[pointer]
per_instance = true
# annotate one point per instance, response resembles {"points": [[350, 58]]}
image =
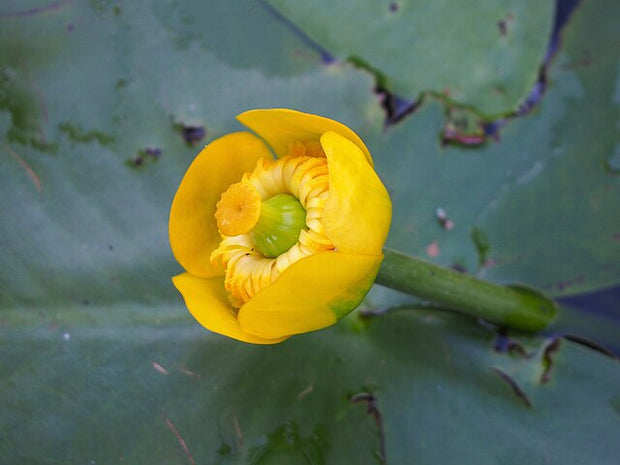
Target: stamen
{"points": [[249, 267]]}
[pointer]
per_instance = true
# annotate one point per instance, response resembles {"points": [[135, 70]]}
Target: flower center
{"points": [[270, 220], [281, 220]]}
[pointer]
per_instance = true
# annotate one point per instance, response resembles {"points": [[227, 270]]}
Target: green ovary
{"points": [[282, 218]]}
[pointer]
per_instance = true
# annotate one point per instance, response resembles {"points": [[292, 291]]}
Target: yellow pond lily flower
{"points": [[278, 246]]}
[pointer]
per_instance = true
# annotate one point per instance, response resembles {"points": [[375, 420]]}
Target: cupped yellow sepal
{"points": [[193, 230], [358, 212], [283, 128], [279, 247], [207, 301], [309, 295]]}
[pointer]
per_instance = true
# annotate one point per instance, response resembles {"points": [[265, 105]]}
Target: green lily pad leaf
{"points": [[82, 220], [540, 200], [103, 105], [164, 391], [568, 192], [486, 56]]}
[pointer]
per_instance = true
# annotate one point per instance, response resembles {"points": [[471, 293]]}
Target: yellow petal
{"points": [[311, 294], [358, 211], [192, 228], [207, 301], [282, 127]]}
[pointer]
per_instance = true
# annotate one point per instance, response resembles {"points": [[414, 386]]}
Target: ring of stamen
{"points": [[247, 271]]}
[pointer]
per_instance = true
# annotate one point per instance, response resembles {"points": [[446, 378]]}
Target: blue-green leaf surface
{"points": [[485, 54], [104, 104]]}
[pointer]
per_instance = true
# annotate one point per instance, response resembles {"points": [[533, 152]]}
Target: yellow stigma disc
{"points": [[238, 209]]}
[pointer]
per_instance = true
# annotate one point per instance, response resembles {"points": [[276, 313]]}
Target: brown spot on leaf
{"points": [[148, 154], [463, 127], [29, 171], [305, 392], [590, 344], [452, 136], [514, 385], [158, 368], [442, 218], [238, 432], [504, 24], [182, 442], [547, 360], [33, 11], [562, 285], [458, 267], [136, 161], [189, 373], [505, 345], [373, 410], [193, 134], [433, 249], [503, 28]]}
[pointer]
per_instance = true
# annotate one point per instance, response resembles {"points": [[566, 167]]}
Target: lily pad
{"points": [[81, 220], [161, 390], [103, 106], [541, 196], [485, 55]]}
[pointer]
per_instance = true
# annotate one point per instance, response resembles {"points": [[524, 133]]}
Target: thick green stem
{"points": [[507, 306]]}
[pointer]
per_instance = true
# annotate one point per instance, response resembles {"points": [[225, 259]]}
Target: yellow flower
{"points": [[278, 246]]}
